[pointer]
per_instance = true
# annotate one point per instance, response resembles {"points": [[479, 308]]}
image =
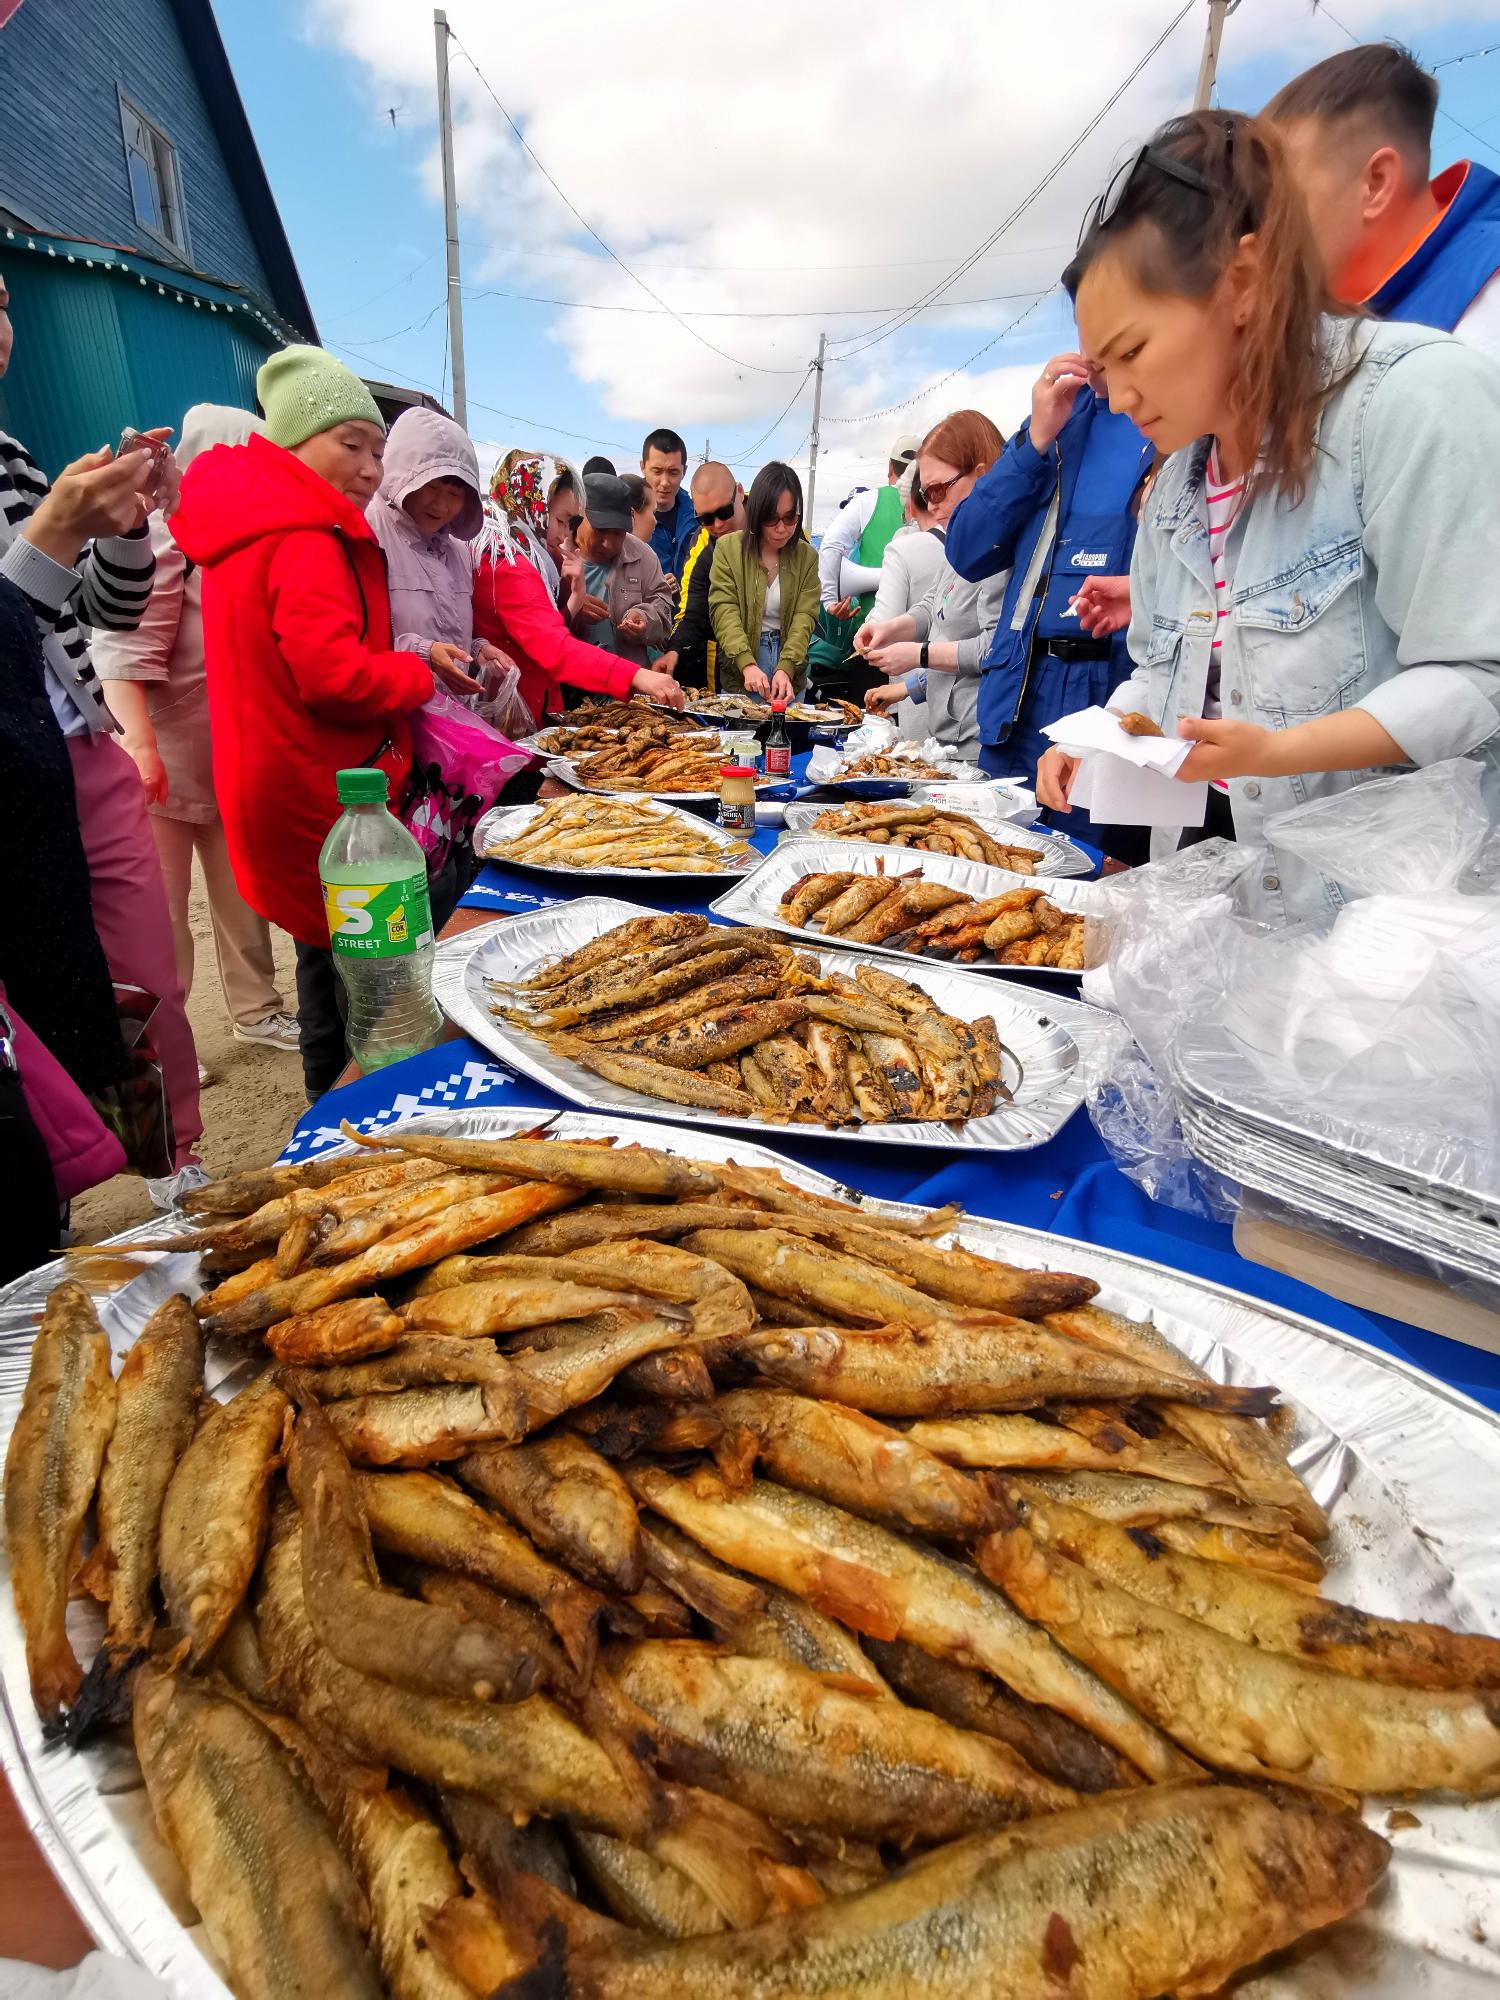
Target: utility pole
{"points": [[1218, 12], [450, 220], [812, 456]]}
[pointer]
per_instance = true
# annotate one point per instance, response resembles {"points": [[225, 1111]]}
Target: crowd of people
{"points": [[1249, 504]]}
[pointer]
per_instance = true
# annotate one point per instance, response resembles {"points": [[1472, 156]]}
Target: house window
{"points": [[155, 188]]}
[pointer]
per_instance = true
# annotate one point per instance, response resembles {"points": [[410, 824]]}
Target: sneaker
{"points": [[276, 1031], [168, 1192], [205, 1076]]}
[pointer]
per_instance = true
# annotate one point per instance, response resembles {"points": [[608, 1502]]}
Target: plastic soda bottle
{"points": [[374, 879]]}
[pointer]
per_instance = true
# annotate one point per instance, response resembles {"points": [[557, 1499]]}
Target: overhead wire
{"points": [[735, 360], [510, 416], [747, 456], [929, 389], [872, 336]]}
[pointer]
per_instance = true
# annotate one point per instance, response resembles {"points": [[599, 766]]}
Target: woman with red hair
{"points": [[932, 653]]}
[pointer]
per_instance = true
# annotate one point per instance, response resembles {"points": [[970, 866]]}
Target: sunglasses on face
{"points": [[936, 491], [1124, 178], [575, 522], [724, 513], [785, 520]]}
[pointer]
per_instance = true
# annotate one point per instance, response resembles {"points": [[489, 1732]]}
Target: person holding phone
{"points": [[79, 552], [763, 592], [1315, 598]]}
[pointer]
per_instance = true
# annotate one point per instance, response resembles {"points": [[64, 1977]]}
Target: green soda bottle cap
{"points": [[361, 787]]}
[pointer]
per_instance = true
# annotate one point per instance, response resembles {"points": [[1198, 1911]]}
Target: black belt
{"points": [[1071, 649]]}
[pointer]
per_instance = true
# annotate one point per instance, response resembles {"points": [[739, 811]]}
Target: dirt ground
{"points": [[249, 1107]]}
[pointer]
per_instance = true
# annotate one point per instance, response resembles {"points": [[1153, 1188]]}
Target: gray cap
{"points": [[606, 502]]}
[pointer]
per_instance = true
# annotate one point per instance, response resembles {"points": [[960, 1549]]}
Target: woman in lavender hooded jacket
{"points": [[425, 517]]}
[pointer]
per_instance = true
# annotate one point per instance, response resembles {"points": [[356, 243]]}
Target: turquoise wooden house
{"points": [[146, 263]]}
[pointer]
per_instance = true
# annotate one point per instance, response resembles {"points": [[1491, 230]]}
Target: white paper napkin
{"points": [[1126, 780]]}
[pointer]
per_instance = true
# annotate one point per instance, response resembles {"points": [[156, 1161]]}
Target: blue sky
{"points": [[737, 187]]}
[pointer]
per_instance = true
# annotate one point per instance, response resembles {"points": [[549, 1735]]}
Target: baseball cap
{"points": [[606, 502], [905, 449]]}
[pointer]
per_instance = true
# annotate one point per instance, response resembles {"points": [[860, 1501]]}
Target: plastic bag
{"points": [[501, 705], [1160, 942], [1376, 1034], [458, 766]]}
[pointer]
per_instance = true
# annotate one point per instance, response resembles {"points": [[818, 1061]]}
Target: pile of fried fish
{"points": [[931, 829], [738, 1021], [626, 1576], [599, 834], [934, 920]]}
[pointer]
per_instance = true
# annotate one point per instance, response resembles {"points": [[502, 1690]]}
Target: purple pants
{"points": [[131, 915]]}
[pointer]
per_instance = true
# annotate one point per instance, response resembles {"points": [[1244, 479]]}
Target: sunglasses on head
{"points": [[1105, 209], [724, 513]]}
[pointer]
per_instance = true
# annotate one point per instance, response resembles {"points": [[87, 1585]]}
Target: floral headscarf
{"points": [[515, 514]]}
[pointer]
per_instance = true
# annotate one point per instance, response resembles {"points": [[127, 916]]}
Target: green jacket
{"points": [[737, 597]]}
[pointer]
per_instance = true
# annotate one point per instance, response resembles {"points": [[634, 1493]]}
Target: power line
{"points": [[748, 455], [654, 312], [866, 264], [922, 394], [886, 328], [1467, 56], [735, 360], [510, 416], [348, 312]]}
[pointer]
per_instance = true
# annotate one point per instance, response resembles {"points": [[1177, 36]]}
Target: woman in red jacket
{"points": [[302, 678], [514, 605]]}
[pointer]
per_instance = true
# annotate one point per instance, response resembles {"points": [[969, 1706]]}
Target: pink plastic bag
{"points": [[458, 767]]}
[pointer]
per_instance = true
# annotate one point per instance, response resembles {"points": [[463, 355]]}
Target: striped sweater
{"points": [[109, 587]]}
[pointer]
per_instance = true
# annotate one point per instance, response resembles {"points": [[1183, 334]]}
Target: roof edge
{"points": [[209, 58]]}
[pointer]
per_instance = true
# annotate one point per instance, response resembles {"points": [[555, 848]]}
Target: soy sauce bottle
{"points": [[778, 744]]}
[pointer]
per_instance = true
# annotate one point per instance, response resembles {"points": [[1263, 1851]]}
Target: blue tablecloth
{"points": [[1069, 1187]]}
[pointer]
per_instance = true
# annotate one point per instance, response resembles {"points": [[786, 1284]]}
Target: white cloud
{"points": [[797, 164]]}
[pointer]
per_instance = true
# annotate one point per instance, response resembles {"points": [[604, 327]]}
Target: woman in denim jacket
{"points": [[1351, 622]]}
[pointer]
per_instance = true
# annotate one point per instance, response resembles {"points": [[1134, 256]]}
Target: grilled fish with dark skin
{"points": [[426, 1518], [243, 1822], [213, 1519], [427, 1647], [1071, 1904], [571, 1502], [51, 1467], [970, 1700], [527, 1757]]}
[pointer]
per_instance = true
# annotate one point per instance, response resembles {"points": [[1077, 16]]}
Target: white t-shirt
{"points": [[770, 617], [1480, 325]]}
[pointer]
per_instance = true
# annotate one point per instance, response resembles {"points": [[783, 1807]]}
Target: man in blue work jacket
{"points": [[1056, 510]]}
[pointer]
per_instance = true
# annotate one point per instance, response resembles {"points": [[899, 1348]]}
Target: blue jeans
{"points": [[768, 653]]}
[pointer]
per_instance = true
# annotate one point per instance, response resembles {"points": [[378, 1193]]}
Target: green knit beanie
{"points": [[303, 391]]}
